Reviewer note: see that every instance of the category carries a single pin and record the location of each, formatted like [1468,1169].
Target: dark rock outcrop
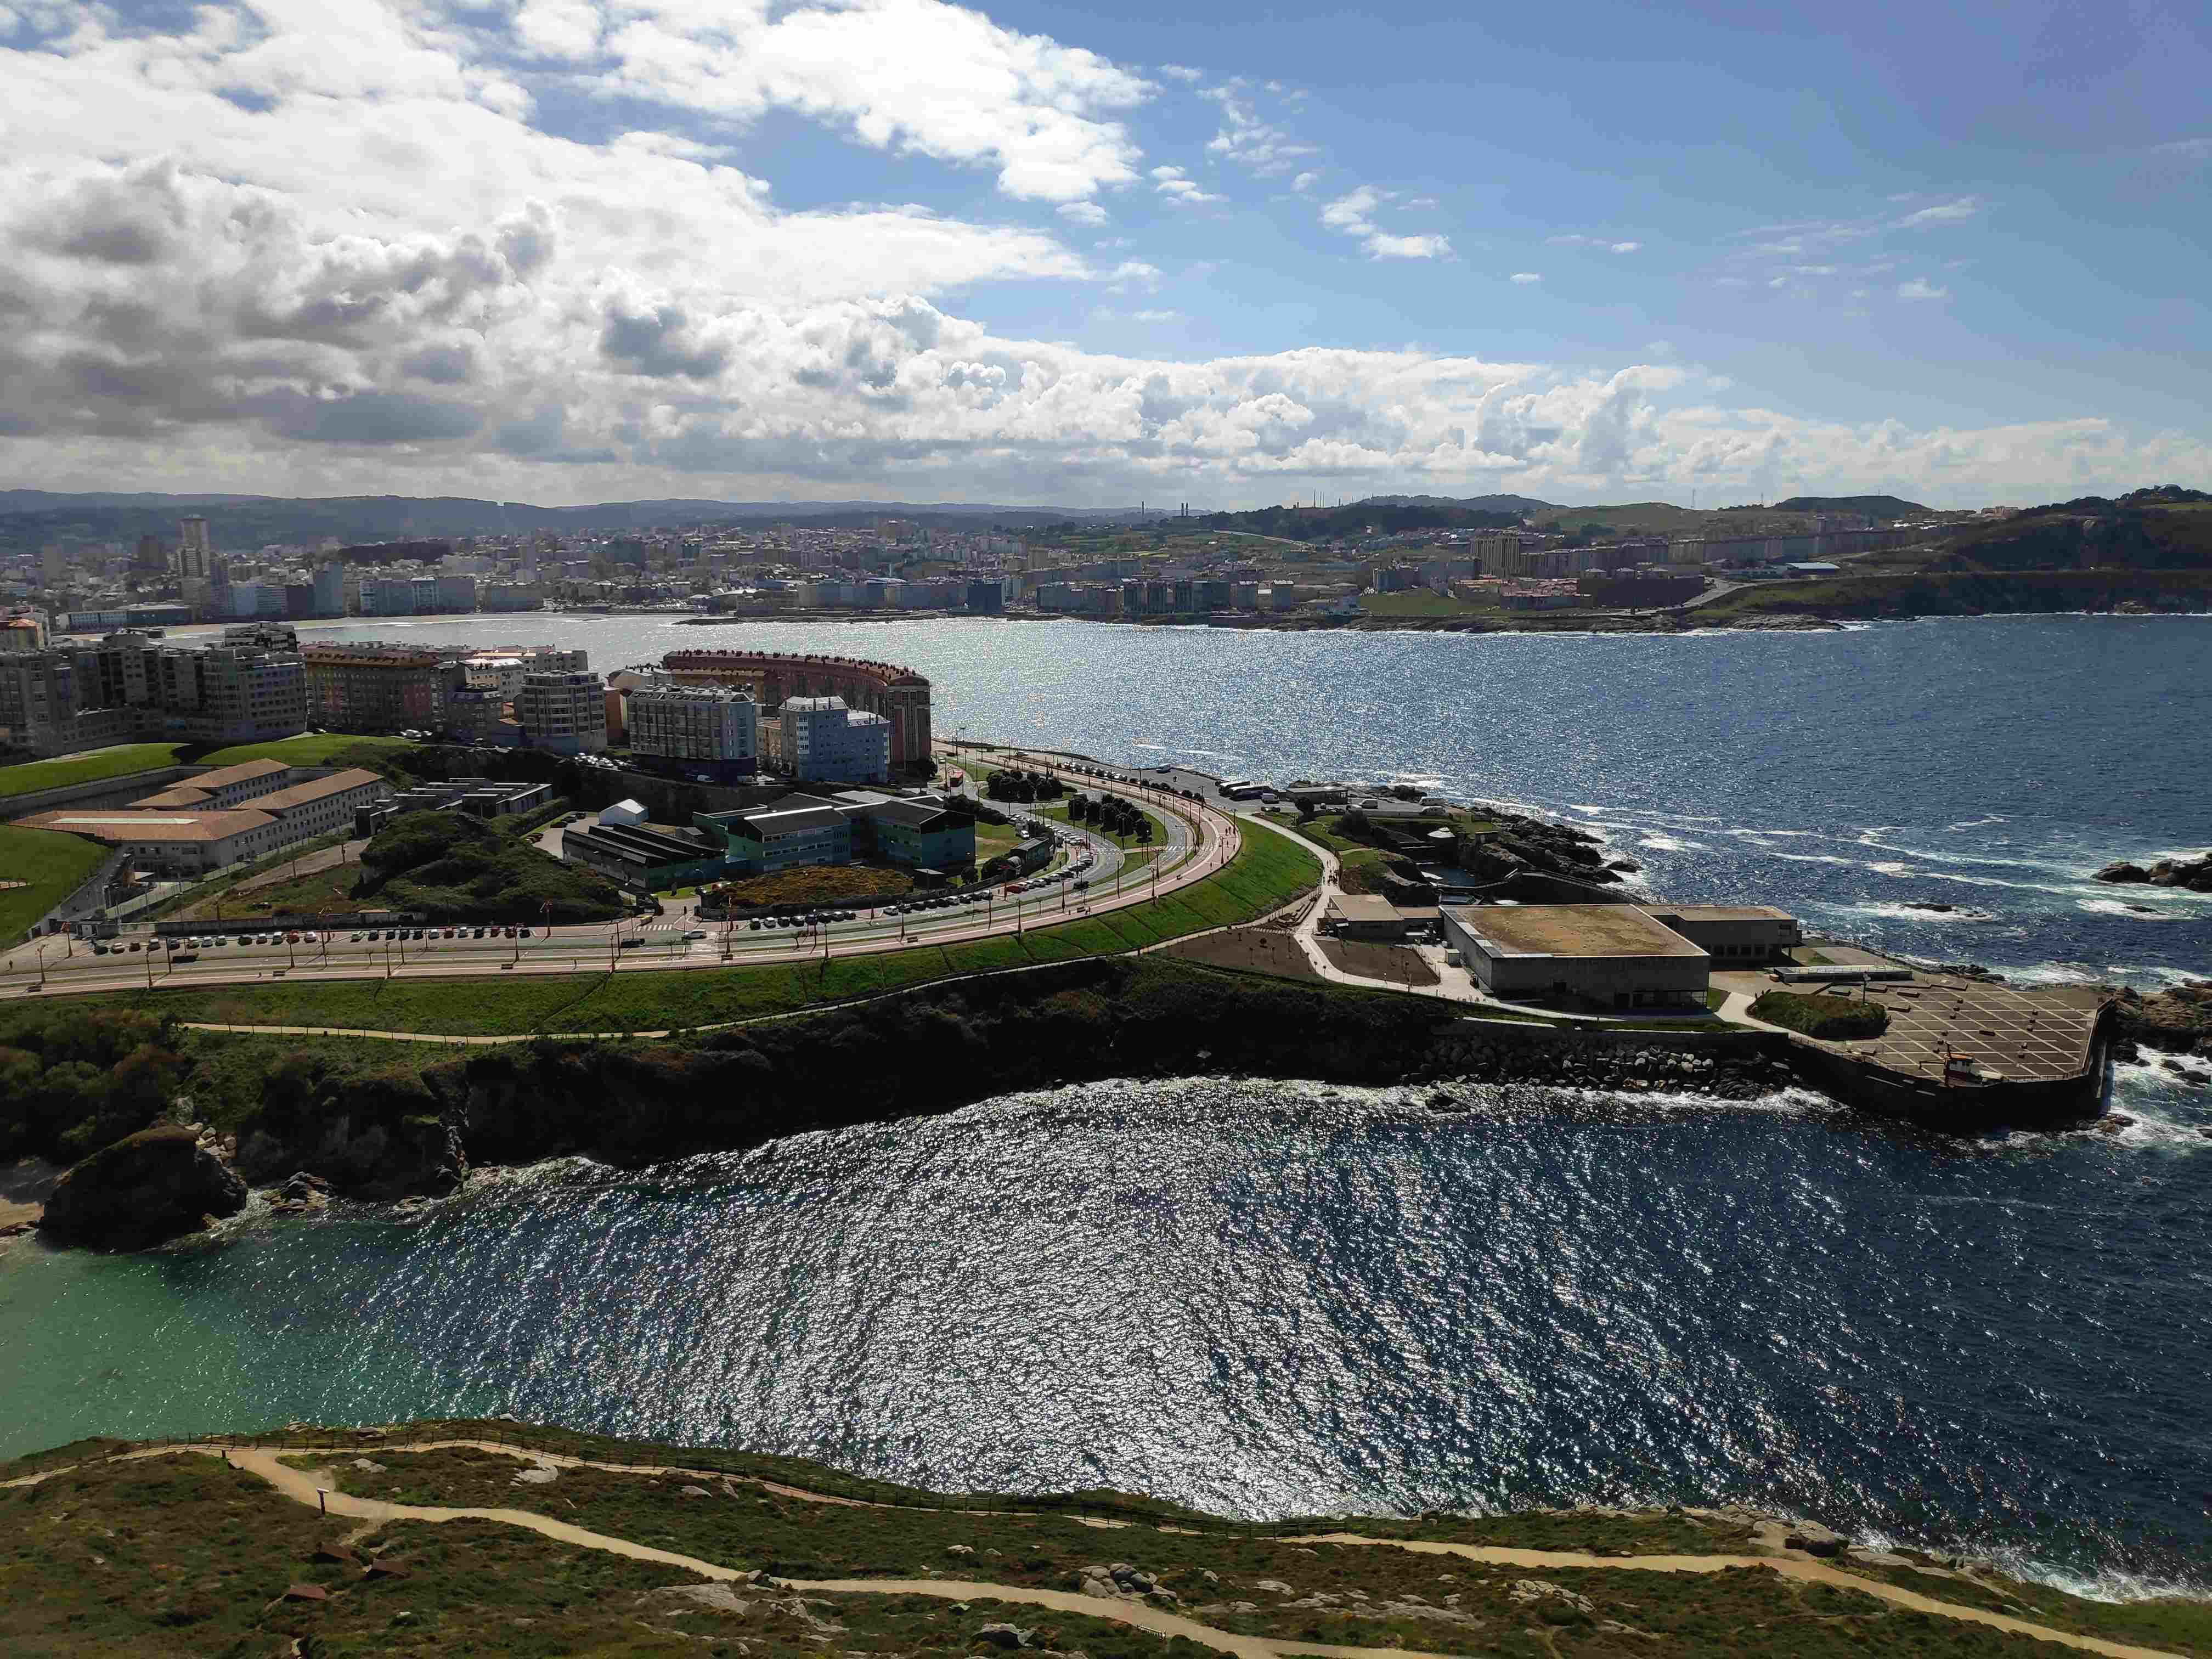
[155,1185]
[2178,1020]
[2195,874]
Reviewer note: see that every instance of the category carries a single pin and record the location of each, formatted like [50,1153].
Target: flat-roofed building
[713,724]
[1364,916]
[364,686]
[1606,955]
[1733,935]
[563,712]
[824,740]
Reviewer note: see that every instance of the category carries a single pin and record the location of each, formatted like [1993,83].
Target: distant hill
[1378,517]
[1875,507]
[2165,529]
[30,518]
[1469,503]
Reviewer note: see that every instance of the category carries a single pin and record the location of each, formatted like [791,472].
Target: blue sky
[565,250]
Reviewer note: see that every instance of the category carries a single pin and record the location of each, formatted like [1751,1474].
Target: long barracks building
[899,695]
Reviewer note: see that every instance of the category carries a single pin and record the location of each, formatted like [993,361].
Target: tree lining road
[1200,841]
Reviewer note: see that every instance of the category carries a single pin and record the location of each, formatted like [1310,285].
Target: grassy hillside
[1964,594]
[124,759]
[450,866]
[28,777]
[310,748]
[49,864]
[181,1553]
[1268,872]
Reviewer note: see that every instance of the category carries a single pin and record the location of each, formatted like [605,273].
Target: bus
[1243,789]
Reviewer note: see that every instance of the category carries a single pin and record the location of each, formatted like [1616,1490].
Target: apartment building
[356,686]
[824,739]
[564,713]
[714,725]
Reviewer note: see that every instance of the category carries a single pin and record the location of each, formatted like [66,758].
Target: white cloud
[1602,244]
[1246,139]
[1182,72]
[1180,189]
[1304,182]
[300,288]
[1626,247]
[1382,245]
[1919,289]
[1350,214]
[1524,277]
[1943,213]
[1082,213]
[1155,316]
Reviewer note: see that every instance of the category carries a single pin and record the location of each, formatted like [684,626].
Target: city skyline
[566,252]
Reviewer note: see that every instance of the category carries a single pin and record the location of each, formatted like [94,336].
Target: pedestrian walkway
[305,1486]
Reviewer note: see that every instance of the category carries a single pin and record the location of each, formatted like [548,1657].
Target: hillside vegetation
[185,1552]
[1970,594]
[449,866]
[2147,531]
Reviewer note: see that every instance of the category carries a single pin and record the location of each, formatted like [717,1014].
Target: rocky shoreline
[321,1129]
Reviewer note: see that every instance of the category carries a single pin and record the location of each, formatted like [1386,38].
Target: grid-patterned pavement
[2028,1035]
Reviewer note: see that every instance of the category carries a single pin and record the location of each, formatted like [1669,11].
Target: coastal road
[1198,841]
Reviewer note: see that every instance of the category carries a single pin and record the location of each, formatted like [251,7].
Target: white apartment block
[824,740]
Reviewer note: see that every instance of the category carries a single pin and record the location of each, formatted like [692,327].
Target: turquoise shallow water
[1266,1297]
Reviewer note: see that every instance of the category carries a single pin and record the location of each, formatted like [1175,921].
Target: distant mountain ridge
[1875,507]
[1465,503]
[32,516]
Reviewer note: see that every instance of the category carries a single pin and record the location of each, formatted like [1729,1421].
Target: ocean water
[1267,1298]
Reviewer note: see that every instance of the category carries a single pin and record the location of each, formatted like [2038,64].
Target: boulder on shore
[155,1185]
[2121,872]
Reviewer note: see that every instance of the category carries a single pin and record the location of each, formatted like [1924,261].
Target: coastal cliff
[347,1119]
[925,1052]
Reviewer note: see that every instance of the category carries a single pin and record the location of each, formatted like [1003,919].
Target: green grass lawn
[1269,872]
[28,777]
[313,749]
[1420,602]
[52,863]
[125,758]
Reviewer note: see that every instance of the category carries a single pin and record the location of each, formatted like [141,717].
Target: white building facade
[824,740]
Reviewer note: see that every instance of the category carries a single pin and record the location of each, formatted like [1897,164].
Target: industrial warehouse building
[799,830]
[1733,935]
[1602,955]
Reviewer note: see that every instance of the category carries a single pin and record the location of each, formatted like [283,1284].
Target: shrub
[1835,1018]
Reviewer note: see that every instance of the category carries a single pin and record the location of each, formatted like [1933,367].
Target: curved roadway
[1200,841]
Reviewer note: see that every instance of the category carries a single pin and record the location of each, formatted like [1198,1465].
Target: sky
[568,250]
